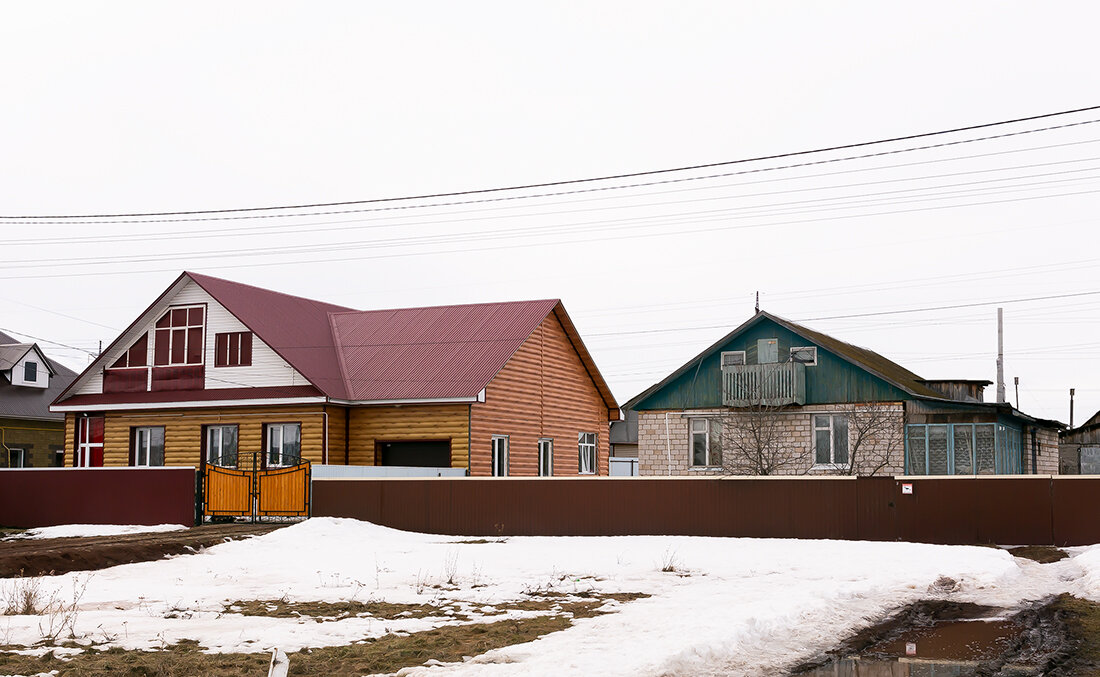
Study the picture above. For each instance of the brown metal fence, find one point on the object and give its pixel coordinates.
(42, 497)
(1005, 510)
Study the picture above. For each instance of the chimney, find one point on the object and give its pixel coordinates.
(1000, 355)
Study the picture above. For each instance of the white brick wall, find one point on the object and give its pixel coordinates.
(666, 451)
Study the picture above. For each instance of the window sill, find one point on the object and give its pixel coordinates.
(830, 466)
(586, 473)
(704, 468)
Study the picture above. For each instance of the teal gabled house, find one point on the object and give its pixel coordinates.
(808, 398)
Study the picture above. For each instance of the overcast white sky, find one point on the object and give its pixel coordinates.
(152, 107)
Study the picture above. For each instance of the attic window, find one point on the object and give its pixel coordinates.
(804, 354)
(733, 358)
(136, 356)
(30, 371)
(178, 338)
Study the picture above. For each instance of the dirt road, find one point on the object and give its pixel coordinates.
(33, 557)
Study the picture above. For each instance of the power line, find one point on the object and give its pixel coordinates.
(55, 343)
(613, 177)
(874, 314)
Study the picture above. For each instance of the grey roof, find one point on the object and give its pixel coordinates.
(11, 353)
(30, 403)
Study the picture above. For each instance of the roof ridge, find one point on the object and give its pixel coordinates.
(448, 305)
(195, 276)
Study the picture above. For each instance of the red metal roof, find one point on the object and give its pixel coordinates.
(432, 353)
(296, 328)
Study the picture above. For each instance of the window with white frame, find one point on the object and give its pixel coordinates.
(733, 358)
(500, 456)
(178, 337)
(221, 445)
(586, 448)
(546, 457)
(17, 458)
(804, 354)
(830, 439)
(148, 446)
(706, 436)
(284, 444)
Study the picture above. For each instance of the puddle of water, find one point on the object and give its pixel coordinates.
(946, 649)
(953, 641)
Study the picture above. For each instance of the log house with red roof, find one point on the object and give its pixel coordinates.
(218, 370)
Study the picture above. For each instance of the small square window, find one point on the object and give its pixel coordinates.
(733, 358)
(804, 354)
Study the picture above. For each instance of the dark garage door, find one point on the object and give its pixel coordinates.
(431, 454)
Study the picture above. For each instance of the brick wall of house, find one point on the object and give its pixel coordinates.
(39, 440)
(670, 454)
(1047, 458)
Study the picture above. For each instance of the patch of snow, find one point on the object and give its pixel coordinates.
(733, 606)
(84, 530)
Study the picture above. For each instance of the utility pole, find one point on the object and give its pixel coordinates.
(1016, 381)
(1000, 355)
(758, 302)
(1071, 391)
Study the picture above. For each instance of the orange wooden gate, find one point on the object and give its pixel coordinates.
(256, 492)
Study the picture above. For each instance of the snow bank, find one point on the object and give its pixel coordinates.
(729, 606)
(79, 530)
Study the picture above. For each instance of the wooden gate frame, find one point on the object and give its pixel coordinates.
(258, 485)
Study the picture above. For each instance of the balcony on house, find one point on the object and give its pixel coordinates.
(770, 385)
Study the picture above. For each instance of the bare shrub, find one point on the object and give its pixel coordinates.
(23, 596)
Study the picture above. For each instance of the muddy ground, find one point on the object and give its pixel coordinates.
(1059, 637)
(33, 557)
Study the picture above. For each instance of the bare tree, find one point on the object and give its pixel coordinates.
(754, 437)
(874, 438)
(755, 440)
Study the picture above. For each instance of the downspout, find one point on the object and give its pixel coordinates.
(668, 444)
(469, 437)
(347, 436)
(324, 437)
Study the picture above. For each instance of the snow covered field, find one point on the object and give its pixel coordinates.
(725, 606)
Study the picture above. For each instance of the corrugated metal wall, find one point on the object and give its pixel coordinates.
(48, 497)
(1004, 510)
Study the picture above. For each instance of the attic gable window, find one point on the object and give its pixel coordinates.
(178, 337)
(233, 349)
(805, 355)
(30, 371)
(136, 355)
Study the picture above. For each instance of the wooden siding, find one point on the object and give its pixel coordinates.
(832, 380)
(337, 428)
(183, 431)
(543, 391)
(414, 422)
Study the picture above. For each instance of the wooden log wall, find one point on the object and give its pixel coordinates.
(407, 423)
(183, 431)
(544, 390)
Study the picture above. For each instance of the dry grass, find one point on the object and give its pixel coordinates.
(386, 654)
(332, 611)
(1043, 554)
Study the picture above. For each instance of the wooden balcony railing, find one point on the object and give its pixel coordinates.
(768, 385)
